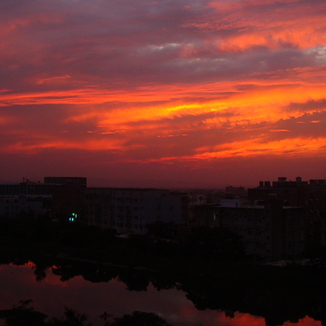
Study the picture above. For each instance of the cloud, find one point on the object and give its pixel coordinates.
(153, 42)
(309, 106)
(166, 82)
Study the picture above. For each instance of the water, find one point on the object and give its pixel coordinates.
(51, 295)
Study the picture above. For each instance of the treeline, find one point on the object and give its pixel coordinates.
(24, 314)
(151, 250)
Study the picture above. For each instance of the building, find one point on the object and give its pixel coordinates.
(68, 200)
(188, 201)
(26, 188)
(270, 232)
(291, 193)
(66, 180)
(129, 210)
(310, 194)
(18, 206)
(57, 195)
(236, 191)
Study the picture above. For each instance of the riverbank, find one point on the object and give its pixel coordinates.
(278, 294)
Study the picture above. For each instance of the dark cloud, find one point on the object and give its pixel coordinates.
(142, 42)
(307, 126)
(308, 106)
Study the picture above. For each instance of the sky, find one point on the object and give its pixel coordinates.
(182, 93)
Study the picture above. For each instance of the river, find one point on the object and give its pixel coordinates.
(51, 295)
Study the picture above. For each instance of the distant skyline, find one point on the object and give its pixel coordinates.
(163, 93)
(146, 183)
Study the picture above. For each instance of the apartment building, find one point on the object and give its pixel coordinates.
(129, 210)
(270, 232)
(15, 206)
(310, 194)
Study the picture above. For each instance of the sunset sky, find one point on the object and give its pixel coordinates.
(182, 93)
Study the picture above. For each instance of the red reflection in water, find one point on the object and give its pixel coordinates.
(51, 296)
(250, 320)
(305, 322)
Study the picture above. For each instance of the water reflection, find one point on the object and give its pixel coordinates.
(175, 300)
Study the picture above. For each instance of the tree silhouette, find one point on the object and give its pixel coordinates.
(138, 318)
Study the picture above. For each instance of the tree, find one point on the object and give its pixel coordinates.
(71, 318)
(23, 315)
(215, 243)
(138, 318)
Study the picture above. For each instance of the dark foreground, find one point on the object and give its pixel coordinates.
(212, 279)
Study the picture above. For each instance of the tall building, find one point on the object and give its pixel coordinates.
(270, 232)
(310, 194)
(292, 193)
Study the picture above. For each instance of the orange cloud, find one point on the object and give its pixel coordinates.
(88, 145)
(264, 102)
(269, 24)
(298, 147)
